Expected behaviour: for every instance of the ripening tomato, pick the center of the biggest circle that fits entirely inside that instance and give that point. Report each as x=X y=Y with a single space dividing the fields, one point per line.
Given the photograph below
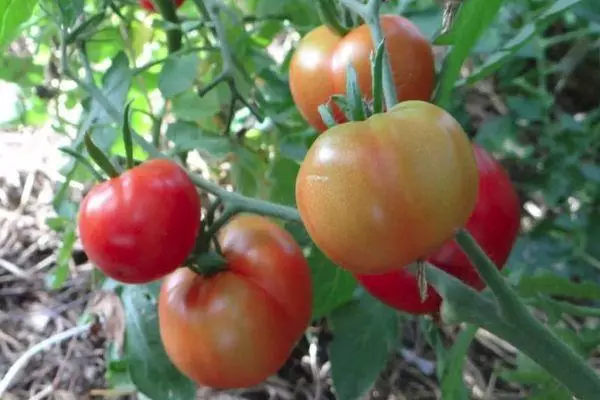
x=399 y=289
x=149 y=4
x=310 y=71
x=494 y=223
x=410 y=58
x=236 y=328
x=143 y=224
x=378 y=194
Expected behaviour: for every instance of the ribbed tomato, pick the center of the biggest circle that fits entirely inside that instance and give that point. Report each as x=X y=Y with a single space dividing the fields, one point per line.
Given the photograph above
x=379 y=194
x=236 y=328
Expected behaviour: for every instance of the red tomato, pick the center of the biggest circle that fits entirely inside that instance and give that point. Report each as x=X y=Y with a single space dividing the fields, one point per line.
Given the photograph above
x=410 y=58
x=399 y=289
x=236 y=328
x=494 y=223
x=382 y=193
x=142 y=225
x=149 y=4
x=310 y=82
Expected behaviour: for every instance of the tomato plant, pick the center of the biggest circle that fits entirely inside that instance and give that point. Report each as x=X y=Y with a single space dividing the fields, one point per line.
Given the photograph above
x=410 y=58
x=400 y=289
x=237 y=327
x=143 y=224
x=494 y=223
x=149 y=4
x=381 y=193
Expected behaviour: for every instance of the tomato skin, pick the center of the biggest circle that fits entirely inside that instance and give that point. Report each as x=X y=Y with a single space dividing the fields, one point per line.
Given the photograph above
x=382 y=193
x=149 y=4
x=238 y=327
x=494 y=223
x=399 y=289
x=310 y=71
x=143 y=224
x=410 y=57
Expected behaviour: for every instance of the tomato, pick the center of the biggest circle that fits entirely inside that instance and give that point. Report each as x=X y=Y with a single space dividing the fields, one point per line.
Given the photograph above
x=318 y=66
x=399 y=289
x=494 y=223
x=149 y=4
x=143 y=224
x=310 y=68
x=238 y=327
x=378 y=194
x=410 y=58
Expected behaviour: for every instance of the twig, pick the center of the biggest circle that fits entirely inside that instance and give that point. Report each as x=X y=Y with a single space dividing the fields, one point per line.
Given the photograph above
x=22 y=361
x=13 y=269
x=211 y=10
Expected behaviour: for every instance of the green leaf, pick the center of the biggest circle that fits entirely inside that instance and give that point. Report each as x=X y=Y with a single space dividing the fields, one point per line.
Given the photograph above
x=178 y=74
x=57 y=277
x=332 y=286
x=546 y=283
x=282 y=176
x=187 y=136
x=70 y=10
x=377 y=74
x=558 y=7
x=99 y=157
x=452 y=384
x=364 y=331
x=471 y=21
x=127 y=135
x=150 y=368
x=353 y=94
x=189 y=106
x=12 y=14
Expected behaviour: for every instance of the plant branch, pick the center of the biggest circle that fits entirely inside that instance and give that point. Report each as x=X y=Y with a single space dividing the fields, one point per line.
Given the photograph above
x=211 y=9
x=369 y=12
x=44 y=344
x=174 y=36
x=505 y=316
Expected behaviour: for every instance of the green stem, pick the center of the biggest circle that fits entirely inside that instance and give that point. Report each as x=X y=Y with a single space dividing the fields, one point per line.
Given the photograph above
x=174 y=36
x=328 y=15
x=520 y=328
x=369 y=12
x=247 y=204
x=508 y=299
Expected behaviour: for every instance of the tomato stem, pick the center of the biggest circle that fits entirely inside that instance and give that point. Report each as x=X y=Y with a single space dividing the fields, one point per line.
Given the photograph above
x=167 y=10
x=369 y=12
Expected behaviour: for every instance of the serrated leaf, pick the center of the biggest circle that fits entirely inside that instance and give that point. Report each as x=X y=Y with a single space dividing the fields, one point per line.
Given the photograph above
x=178 y=74
x=187 y=136
x=358 y=355
x=150 y=368
x=471 y=21
x=12 y=14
